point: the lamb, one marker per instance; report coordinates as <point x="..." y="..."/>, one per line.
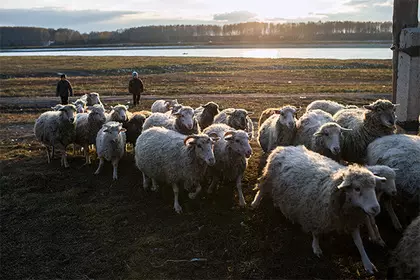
<point x="231" y="152"/>
<point x="405" y="259"/>
<point x="172" y="158"/>
<point x="279" y="129"/>
<point x="162" y="106"/>
<point x="110" y="146"/>
<point x="328" y="106"/>
<point x="57" y="129"/>
<point x="236" y="118"/>
<point x="182" y="121"/>
<point x="318" y="132"/>
<point x="377" y="120"/>
<point x="91" y="99"/>
<point x="118" y="114"/>
<point x="402" y="153"/>
<point x="320" y="194"/>
<point x="80" y="105"/>
<point x="134" y="126"/>
<point x="205" y="114"/>
<point x="87" y="127"/>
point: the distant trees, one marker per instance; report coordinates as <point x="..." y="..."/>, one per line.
<point x="253" y="32"/>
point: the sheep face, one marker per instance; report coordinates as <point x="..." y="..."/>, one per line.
<point x="359" y="188"/>
<point x="388" y="187"/>
<point x="238" y="118"/>
<point x="203" y="147"/>
<point x="238" y="141"/>
<point x="171" y="103"/>
<point x="287" y="116"/>
<point x="68" y="113"/>
<point x="93" y="98"/>
<point x="186" y="117"/>
<point x="212" y="108"/>
<point x="113" y="129"/>
<point x="383" y="111"/>
<point x="121" y="112"/>
<point x="331" y="133"/>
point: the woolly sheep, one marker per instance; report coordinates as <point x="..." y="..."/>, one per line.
<point x="279" y="129"/>
<point x="168" y="157"/>
<point x="57" y="129"/>
<point x="266" y="114"/>
<point x="405" y="259"/>
<point x="91" y="99"/>
<point x="231" y="152"/>
<point x="118" y="114"/>
<point x="328" y="106"/>
<point x="87" y="127"/>
<point x="182" y="121"/>
<point x="236" y="118"/>
<point x="162" y="106"/>
<point x="205" y="114"/>
<point x="110" y="146"/>
<point x="318" y="132"/>
<point x="80" y="105"/>
<point x="401" y="152"/>
<point x="134" y="126"/>
<point x="376" y="120"/>
<point x="320" y="194"/>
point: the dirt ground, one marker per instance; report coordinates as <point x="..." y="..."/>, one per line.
<point x="70" y="224"/>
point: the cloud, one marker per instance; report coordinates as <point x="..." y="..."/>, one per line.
<point x="236" y="16"/>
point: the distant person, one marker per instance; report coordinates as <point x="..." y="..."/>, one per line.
<point x="135" y="87"/>
<point x="64" y="89"/>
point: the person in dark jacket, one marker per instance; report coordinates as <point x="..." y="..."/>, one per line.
<point x="64" y="89"/>
<point x="135" y="87"/>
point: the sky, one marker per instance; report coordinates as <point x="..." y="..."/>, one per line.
<point x="86" y="16"/>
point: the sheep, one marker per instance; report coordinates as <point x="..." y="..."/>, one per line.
<point x="91" y="99"/>
<point x="162" y="106"/>
<point x="320" y="194"/>
<point x="328" y="106"/>
<point x="87" y="127"/>
<point x="172" y="158"/>
<point x="110" y="146"/>
<point x="401" y="152"/>
<point x="57" y="129"/>
<point x="205" y="114"/>
<point x="376" y="120"/>
<point x="266" y="114"/>
<point x="182" y="121"/>
<point x="145" y="113"/>
<point x="118" y="114"/>
<point x="318" y="132"/>
<point x="80" y="105"/>
<point x="57" y="107"/>
<point x="134" y="126"/>
<point x="231" y="153"/>
<point x="236" y="118"/>
<point x="405" y="259"/>
<point x="384" y="192"/>
<point x="279" y="129"/>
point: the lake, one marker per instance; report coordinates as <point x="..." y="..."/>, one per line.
<point x="346" y="52"/>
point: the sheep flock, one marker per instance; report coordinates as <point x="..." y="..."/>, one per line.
<point x="333" y="169"/>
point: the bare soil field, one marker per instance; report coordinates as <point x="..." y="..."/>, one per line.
<point x="70" y="224"/>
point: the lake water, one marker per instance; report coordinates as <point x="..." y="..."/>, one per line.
<point x="299" y="52"/>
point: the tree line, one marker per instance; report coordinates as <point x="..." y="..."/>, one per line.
<point x="250" y="32"/>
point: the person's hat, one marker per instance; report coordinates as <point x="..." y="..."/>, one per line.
<point x="135" y="74"/>
<point x="63" y="75"/>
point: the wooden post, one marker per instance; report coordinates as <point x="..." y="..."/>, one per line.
<point x="405" y="15"/>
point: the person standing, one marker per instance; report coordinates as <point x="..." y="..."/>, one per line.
<point x="135" y="87"/>
<point x="64" y="89"/>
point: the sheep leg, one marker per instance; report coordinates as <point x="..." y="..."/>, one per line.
<point x="177" y="207"/>
<point x="115" y="169"/>
<point x="257" y="199"/>
<point x="86" y="152"/>
<point x="240" y="194"/>
<point x="193" y="195"/>
<point x="48" y="154"/>
<point x="101" y="164"/>
<point x="214" y="182"/>
<point x="52" y="152"/>
<point x="369" y="227"/>
<point x="315" y="245"/>
<point x="146" y="182"/>
<point x="373" y="231"/>
<point x="155" y="185"/>
<point x="394" y="219"/>
<point x="369" y="267"/>
<point x="64" y="158"/>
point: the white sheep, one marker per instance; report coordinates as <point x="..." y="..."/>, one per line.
<point x="231" y="152"/>
<point x="91" y="99"/>
<point x="162" y="106"/>
<point x="278" y="130"/>
<point x="110" y="146"/>
<point x="87" y="127"/>
<point x="80" y="105"/>
<point x="320" y="194"/>
<point x="57" y="129"/>
<point x="236" y="118"/>
<point x="375" y="121"/>
<point x="118" y="113"/>
<point x="405" y="259"/>
<point x="182" y="121"/>
<point x="328" y="106"/>
<point x="171" y="158"/>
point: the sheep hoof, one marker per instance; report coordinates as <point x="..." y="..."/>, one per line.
<point x="381" y="243"/>
<point x="178" y="209"/>
<point x="96" y="172"/>
<point x="371" y="269"/>
<point x="115" y="178"/>
<point x="318" y="252"/>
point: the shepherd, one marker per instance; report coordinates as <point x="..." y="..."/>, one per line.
<point x="135" y="87"/>
<point x="64" y="89"/>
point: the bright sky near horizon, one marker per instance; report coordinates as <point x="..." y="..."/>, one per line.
<point x="87" y="16"/>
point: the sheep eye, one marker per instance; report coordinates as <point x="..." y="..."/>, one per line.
<point x="199" y="146"/>
<point x="282" y="114"/>
<point x="237" y="140"/>
<point x="357" y="189"/>
<point x="327" y="134"/>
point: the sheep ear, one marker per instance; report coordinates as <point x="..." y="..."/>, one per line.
<point x="249" y="135"/>
<point x="122" y="130"/>
<point x="230" y="111"/>
<point x="368" y="107"/>
<point x="345" y="129"/>
<point x="190" y="140"/>
<point x="298" y="109"/>
<point x="395" y="169"/>
<point x="318" y="133"/>
<point x="112" y="107"/>
<point x="343" y="185"/>
<point x="249" y="113"/>
<point x="126" y="107"/>
<point x="396" y="105"/>
<point x="379" y="178"/>
<point x="277" y="112"/>
<point x="213" y="136"/>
